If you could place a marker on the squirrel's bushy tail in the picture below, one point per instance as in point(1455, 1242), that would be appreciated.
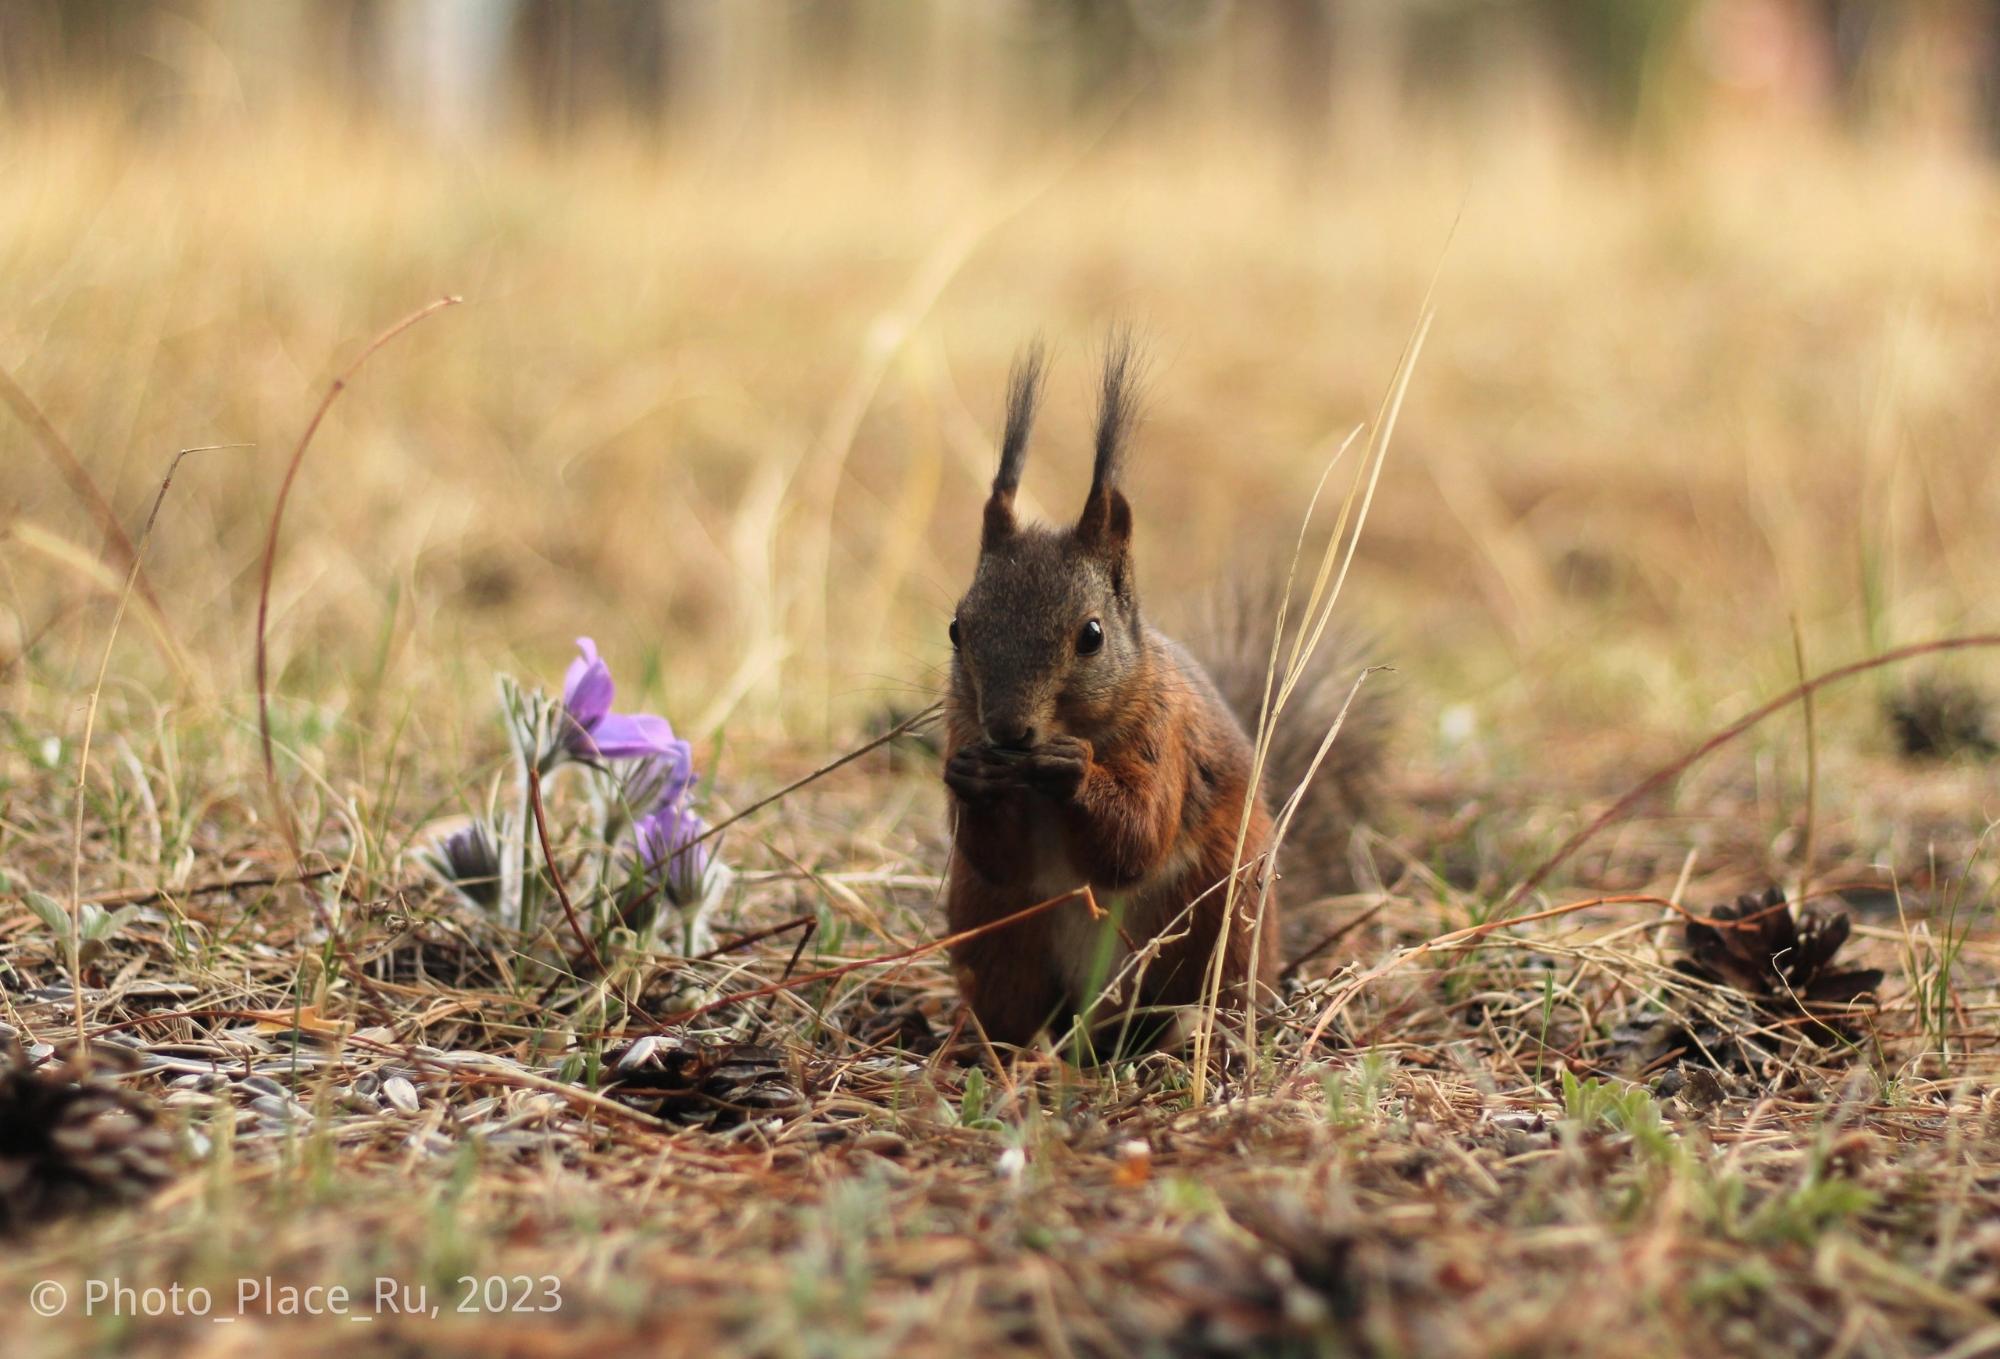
point(1231, 635)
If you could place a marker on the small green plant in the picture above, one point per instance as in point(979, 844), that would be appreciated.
point(1590, 1104)
point(1931, 977)
point(1737, 1285)
point(92, 926)
point(1354, 1098)
point(1188, 1197)
point(448, 1246)
point(831, 1272)
point(1810, 1210)
point(972, 1104)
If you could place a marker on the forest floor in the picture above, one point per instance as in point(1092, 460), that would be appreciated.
point(1665, 438)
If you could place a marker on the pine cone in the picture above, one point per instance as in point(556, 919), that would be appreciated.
point(1764, 952)
point(717, 1085)
point(1937, 720)
point(71, 1138)
point(891, 1017)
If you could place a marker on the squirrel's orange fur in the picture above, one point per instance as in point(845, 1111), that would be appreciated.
point(1085, 747)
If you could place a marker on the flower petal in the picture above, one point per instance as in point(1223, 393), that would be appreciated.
point(587, 687)
point(468, 860)
point(665, 777)
point(625, 736)
point(666, 840)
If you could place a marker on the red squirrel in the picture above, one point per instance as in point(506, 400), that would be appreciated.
point(1085, 747)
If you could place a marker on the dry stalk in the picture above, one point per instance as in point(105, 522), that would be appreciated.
point(280, 808)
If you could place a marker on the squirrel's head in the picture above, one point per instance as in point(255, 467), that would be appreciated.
point(1048, 636)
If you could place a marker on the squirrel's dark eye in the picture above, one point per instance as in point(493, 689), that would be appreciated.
point(954, 634)
point(1091, 639)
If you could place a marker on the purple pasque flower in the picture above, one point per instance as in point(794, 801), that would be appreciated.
point(587, 686)
point(671, 848)
point(468, 860)
point(660, 780)
point(590, 730)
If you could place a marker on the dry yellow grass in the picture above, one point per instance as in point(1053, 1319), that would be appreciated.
point(730, 412)
point(1729, 385)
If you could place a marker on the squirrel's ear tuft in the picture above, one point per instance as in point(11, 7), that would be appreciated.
point(998, 525)
point(1106, 524)
point(1024, 394)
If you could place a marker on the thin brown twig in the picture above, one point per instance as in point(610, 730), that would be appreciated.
point(901, 955)
point(755, 936)
point(161, 1016)
point(1339, 933)
point(458, 1067)
point(279, 807)
point(562, 893)
point(907, 724)
point(1660, 777)
point(799, 950)
point(148, 896)
point(791, 966)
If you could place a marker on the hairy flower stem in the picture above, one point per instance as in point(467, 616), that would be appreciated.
point(514, 847)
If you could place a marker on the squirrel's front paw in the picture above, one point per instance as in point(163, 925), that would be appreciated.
point(981, 774)
point(1057, 765)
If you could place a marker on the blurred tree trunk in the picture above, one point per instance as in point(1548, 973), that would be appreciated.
point(1304, 30)
point(48, 48)
point(1616, 53)
point(1989, 75)
point(348, 36)
point(575, 59)
point(1849, 28)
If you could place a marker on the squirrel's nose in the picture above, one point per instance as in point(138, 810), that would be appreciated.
point(1011, 735)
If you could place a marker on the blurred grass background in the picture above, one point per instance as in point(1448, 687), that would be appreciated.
point(1717, 337)
point(1717, 348)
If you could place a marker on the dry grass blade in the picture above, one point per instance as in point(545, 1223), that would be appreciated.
point(1353, 986)
point(1326, 941)
point(147, 896)
point(1283, 825)
point(1341, 546)
point(76, 902)
point(280, 808)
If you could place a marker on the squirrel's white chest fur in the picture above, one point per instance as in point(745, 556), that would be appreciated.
point(1074, 937)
